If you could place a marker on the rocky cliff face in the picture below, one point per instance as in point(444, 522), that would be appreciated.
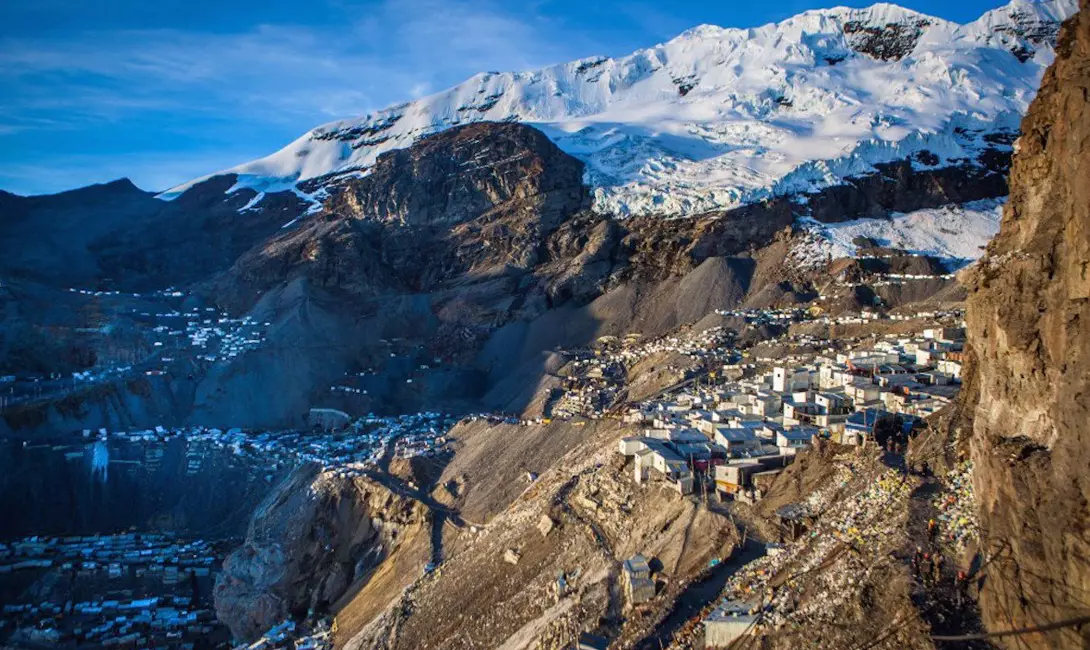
point(448, 180)
point(315, 535)
point(1029, 390)
point(466, 205)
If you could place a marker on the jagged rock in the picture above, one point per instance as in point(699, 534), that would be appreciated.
point(1028, 391)
point(455, 177)
point(511, 556)
point(889, 42)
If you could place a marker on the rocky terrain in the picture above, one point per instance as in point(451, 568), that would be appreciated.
point(543, 565)
point(1027, 404)
point(313, 537)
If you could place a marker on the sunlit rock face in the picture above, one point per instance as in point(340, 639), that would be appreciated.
point(1029, 333)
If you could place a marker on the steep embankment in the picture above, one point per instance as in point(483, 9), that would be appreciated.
point(1029, 389)
point(316, 535)
point(546, 565)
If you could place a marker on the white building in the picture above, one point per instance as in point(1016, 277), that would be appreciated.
point(791, 440)
point(789, 380)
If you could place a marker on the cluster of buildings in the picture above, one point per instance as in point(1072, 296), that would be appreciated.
point(101, 597)
point(206, 333)
point(758, 317)
point(169, 336)
point(741, 432)
point(357, 446)
point(169, 292)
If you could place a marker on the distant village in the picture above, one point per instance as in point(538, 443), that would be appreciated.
point(168, 339)
point(141, 590)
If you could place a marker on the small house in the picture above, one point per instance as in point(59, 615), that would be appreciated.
point(737, 439)
point(639, 588)
point(791, 440)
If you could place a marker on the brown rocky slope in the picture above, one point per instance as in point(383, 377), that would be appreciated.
point(1028, 393)
point(311, 539)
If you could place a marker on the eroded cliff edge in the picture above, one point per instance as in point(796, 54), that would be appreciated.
point(1028, 394)
point(318, 533)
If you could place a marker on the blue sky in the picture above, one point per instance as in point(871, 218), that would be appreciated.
point(167, 90)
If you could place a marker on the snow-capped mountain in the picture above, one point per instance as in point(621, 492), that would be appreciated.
point(718, 117)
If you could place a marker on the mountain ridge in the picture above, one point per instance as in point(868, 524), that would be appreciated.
point(721, 117)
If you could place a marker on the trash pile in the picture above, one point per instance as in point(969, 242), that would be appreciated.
point(956, 507)
point(828, 563)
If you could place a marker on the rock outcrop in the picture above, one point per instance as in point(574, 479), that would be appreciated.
point(314, 536)
point(1028, 391)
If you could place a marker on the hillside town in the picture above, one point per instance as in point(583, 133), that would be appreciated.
point(152, 335)
point(729, 421)
point(744, 422)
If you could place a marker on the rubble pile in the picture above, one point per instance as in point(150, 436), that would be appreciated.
point(806, 582)
point(609, 498)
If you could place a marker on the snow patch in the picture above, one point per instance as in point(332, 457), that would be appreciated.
point(253, 202)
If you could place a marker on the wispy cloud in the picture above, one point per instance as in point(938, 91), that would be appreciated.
point(268, 78)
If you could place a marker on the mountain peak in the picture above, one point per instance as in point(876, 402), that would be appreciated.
point(700, 32)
